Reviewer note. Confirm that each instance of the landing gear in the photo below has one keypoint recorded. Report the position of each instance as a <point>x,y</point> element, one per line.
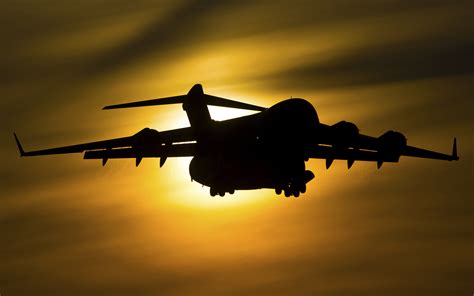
<point>221,192</point>
<point>213,191</point>
<point>296,185</point>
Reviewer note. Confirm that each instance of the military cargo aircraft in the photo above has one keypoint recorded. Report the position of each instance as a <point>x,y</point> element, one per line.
<point>267,149</point>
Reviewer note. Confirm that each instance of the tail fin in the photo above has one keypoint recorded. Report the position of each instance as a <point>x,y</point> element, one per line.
<point>194,103</point>
<point>195,106</point>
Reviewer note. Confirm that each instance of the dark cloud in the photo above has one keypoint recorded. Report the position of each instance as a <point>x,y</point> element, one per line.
<point>435,106</point>
<point>181,28</point>
<point>214,21</point>
<point>386,63</point>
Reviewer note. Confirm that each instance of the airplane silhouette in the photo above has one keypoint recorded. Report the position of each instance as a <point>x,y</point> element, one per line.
<point>267,149</point>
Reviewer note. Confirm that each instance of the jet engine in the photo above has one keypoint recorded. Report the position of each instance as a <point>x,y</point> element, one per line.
<point>392,142</point>
<point>146,141</point>
<point>345,133</point>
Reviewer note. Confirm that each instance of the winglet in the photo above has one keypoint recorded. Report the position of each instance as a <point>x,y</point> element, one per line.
<point>455,150</point>
<point>22,152</point>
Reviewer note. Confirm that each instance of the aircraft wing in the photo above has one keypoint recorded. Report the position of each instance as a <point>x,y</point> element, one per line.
<point>395,143</point>
<point>387,148</point>
<point>351,155</point>
<point>107,144</point>
<point>175,150</point>
<point>146,143</point>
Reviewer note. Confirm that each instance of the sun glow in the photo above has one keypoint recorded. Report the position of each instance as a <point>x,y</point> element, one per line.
<point>177,189</point>
<point>222,113</point>
<point>177,185</point>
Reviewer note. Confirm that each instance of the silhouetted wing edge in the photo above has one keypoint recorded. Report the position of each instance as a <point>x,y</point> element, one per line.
<point>177,150</point>
<point>106,144</point>
<point>166,137</point>
<point>423,153</point>
<point>376,144</point>
<point>327,152</point>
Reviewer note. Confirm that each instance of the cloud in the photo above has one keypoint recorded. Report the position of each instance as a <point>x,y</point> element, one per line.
<point>384,64</point>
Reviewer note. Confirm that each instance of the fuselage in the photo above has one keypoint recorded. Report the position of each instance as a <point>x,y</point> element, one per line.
<point>264,150</point>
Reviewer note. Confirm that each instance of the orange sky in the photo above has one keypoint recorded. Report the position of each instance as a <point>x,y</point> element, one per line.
<point>70,226</point>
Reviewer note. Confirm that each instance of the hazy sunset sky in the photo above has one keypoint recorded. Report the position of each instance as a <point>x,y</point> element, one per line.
<point>72,227</point>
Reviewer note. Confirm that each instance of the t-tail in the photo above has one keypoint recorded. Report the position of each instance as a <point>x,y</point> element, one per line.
<point>194,104</point>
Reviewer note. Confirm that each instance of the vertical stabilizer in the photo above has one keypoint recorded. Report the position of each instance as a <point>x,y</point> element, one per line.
<point>195,105</point>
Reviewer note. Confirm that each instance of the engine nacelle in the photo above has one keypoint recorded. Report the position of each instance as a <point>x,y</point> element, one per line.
<point>345,133</point>
<point>392,142</point>
<point>146,141</point>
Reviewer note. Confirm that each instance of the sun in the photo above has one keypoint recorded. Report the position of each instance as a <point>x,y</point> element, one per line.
<point>171,186</point>
<point>177,187</point>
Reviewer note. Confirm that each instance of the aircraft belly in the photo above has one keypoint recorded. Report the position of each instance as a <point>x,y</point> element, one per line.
<point>244,172</point>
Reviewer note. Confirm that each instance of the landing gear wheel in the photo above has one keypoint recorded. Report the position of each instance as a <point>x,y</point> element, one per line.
<point>213,191</point>
<point>221,194</point>
<point>231,191</point>
<point>303,188</point>
<point>278,191</point>
<point>287,192</point>
<point>295,190</point>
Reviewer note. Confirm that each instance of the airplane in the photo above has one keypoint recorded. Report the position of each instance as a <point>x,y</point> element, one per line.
<point>267,149</point>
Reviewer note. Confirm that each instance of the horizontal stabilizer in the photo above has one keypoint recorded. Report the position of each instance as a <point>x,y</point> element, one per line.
<point>222,102</point>
<point>197,89</point>
<point>153,102</point>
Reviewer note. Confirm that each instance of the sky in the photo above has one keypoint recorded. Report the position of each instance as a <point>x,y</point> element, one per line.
<point>72,227</point>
